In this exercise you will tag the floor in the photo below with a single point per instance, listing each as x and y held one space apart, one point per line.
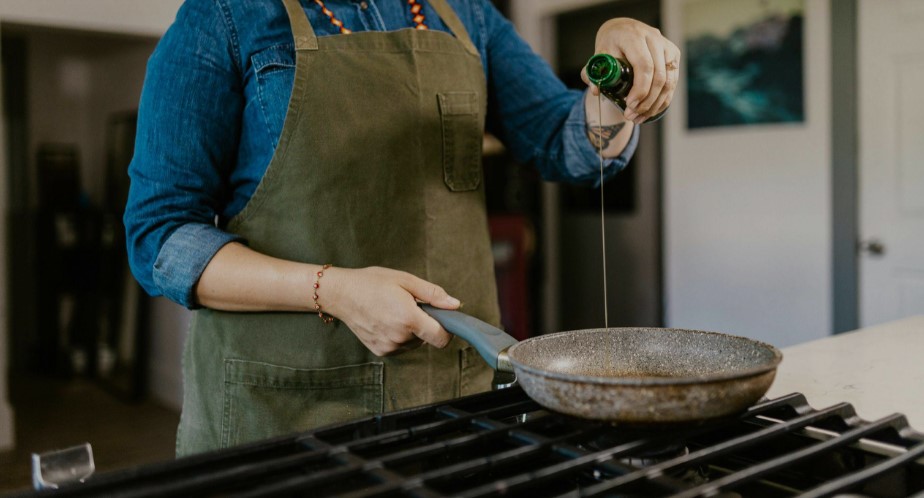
54 414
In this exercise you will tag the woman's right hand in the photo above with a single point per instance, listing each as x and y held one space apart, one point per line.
379 305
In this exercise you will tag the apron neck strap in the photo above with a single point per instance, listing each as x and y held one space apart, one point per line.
305 39
302 32
452 21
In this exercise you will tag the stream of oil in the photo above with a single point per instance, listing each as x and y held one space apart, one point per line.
606 315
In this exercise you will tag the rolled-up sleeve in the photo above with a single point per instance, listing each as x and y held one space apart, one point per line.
582 160
539 119
184 256
188 127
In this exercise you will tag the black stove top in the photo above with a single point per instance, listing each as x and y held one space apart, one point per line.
503 444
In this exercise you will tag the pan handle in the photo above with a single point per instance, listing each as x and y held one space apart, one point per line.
491 342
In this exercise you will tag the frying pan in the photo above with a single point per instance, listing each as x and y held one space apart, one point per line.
633 375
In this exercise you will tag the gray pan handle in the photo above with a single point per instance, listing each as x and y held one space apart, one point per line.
488 340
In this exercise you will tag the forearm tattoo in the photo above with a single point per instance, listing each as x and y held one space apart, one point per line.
601 136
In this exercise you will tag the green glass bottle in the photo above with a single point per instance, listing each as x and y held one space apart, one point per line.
614 78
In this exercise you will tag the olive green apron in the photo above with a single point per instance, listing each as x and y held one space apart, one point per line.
378 164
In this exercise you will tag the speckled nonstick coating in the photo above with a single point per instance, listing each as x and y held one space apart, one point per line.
644 375
636 375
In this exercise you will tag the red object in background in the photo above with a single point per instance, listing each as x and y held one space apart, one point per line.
512 242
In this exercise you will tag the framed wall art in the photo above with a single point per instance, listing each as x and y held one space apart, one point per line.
744 62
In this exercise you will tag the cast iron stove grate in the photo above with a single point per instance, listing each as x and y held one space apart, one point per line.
503 444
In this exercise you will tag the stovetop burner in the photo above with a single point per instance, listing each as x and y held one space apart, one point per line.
503 444
654 456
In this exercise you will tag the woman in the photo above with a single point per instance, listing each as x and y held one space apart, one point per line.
306 173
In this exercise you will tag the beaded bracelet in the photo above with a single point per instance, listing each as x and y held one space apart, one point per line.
317 306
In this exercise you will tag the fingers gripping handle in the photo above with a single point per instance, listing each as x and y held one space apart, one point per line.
490 341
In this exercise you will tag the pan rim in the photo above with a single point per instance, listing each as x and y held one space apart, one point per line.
649 381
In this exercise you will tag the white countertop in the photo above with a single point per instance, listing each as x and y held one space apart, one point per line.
880 370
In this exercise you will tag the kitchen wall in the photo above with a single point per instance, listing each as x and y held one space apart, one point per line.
127 17
747 214
747 210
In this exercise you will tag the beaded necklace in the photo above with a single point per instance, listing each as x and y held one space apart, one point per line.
414 6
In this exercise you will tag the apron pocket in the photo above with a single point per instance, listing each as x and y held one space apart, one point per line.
462 140
262 400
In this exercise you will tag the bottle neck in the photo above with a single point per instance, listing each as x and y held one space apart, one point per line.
604 70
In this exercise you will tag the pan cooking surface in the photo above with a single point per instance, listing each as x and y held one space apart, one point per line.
633 375
643 355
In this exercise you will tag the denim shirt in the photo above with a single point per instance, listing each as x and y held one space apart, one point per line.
214 101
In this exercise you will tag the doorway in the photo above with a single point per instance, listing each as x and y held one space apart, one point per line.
70 98
632 205
891 160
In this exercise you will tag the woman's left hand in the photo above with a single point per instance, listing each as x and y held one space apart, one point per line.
655 64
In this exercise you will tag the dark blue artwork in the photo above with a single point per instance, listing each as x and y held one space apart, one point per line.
751 75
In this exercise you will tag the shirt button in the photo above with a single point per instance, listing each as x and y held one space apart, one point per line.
363 5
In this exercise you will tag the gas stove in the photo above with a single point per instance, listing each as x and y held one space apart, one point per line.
502 443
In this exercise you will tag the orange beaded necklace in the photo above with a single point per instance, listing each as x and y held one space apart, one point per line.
415 8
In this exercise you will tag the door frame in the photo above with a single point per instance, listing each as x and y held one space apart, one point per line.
845 229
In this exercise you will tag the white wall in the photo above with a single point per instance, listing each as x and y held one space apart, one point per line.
747 215
747 211
141 17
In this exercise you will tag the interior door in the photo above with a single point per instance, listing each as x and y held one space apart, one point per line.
891 163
